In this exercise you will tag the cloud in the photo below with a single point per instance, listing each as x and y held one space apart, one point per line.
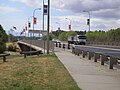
79 22
7 9
91 5
99 8
103 12
30 3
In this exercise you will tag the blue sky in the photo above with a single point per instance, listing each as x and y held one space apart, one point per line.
105 14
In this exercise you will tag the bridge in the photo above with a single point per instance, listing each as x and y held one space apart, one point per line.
35 45
105 54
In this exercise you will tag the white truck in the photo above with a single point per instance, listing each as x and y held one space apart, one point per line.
77 40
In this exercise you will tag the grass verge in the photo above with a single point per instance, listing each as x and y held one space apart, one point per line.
44 72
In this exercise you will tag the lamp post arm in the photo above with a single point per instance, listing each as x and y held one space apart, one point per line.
29 18
69 20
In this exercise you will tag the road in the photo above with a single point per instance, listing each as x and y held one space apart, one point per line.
103 50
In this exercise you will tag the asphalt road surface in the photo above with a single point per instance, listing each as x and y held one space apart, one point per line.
102 50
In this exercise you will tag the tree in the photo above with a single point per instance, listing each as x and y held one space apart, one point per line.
12 38
112 35
81 32
57 33
3 39
50 37
71 33
63 36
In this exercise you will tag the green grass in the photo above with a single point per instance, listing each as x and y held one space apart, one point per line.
44 72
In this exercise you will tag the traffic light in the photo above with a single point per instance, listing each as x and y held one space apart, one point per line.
88 21
29 24
26 28
35 20
69 27
45 9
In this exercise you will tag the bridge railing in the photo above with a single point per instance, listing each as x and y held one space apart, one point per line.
104 43
40 43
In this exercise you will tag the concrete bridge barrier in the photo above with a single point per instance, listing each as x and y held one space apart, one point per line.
94 54
96 57
84 53
113 61
90 55
39 43
103 58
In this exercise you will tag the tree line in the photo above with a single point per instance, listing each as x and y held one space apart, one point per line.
63 35
3 39
112 35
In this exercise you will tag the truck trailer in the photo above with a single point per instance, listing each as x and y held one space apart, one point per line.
77 40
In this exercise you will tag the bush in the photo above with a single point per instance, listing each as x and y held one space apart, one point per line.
2 47
12 48
3 39
63 36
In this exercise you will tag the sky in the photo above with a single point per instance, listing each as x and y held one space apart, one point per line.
104 14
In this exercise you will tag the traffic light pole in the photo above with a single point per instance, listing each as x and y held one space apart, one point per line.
34 18
48 25
43 24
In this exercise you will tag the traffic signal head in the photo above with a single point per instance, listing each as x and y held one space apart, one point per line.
88 21
35 20
29 24
45 9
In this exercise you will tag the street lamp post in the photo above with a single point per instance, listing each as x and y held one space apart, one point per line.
33 18
29 25
51 29
58 25
70 23
88 20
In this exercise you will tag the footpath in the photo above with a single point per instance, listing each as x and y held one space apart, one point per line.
87 74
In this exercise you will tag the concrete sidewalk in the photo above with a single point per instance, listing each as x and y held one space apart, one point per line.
88 74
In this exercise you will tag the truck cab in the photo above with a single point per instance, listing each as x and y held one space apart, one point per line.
81 39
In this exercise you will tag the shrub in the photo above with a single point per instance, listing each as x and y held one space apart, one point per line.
3 39
12 48
2 47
